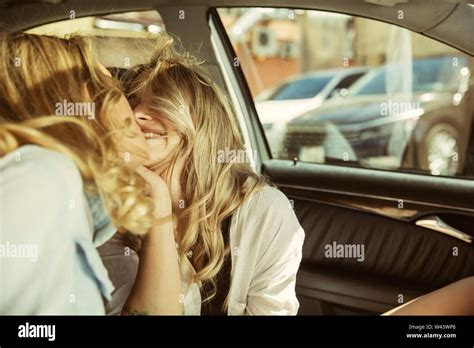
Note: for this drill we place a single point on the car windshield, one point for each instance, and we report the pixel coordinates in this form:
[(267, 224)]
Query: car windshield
[(302, 88), (434, 74)]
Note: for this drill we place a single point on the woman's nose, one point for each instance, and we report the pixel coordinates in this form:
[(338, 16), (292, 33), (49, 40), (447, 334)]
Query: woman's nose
[(141, 117)]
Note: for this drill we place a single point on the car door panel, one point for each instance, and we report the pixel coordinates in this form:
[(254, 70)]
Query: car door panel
[(401, 258), (331, 292)]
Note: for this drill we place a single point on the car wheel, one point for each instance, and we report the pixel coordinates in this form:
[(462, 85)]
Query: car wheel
[(439, 153)]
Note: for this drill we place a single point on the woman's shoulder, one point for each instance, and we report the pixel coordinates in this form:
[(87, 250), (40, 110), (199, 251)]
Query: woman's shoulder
[(32, 166), (42, 160), (40, 185), (268, 214), (268, 199)]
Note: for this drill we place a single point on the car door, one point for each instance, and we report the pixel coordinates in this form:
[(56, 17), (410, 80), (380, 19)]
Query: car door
[(375, 238), (413, 231)]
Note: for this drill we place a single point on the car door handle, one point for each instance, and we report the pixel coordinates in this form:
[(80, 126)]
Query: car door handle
[(434, 223)]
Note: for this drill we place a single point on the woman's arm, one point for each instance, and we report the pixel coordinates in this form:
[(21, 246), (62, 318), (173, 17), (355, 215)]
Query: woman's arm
[(270, 252), (454, 299), (157, 287)]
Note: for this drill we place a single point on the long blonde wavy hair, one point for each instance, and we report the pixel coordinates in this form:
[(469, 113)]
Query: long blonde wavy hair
[(174, 84), (36, 72)]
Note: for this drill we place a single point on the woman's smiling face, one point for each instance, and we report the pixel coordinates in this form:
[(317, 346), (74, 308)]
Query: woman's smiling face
[(132, 147), (162, 139)]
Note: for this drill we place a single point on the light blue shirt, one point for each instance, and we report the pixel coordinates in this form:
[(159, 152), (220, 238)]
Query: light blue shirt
[(48, 258)]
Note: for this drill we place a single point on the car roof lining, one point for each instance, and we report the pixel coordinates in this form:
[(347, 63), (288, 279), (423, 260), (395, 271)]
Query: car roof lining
[(443, 20)]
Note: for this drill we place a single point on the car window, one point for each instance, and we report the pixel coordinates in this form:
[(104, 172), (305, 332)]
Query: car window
[(301, 88), (372, 83), (403, 103), (427, 75), (122, 39), (348, 81)]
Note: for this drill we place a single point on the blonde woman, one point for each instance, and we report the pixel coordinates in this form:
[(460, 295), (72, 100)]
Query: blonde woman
[(238, 239), (64, 179)]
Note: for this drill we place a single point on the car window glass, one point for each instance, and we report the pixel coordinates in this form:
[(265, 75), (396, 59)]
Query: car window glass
[(122, 39), (398, 101), (301, 89), (348, 81)]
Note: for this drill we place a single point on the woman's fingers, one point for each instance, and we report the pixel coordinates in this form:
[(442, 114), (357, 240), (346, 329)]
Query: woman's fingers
[(155, 180), (159, 191), (147, 174)]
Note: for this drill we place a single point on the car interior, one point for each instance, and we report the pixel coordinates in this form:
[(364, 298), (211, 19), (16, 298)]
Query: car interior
[(411, 223)]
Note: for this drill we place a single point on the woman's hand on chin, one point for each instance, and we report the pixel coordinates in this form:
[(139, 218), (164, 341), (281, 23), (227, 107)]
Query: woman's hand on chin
[(159, 192)]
